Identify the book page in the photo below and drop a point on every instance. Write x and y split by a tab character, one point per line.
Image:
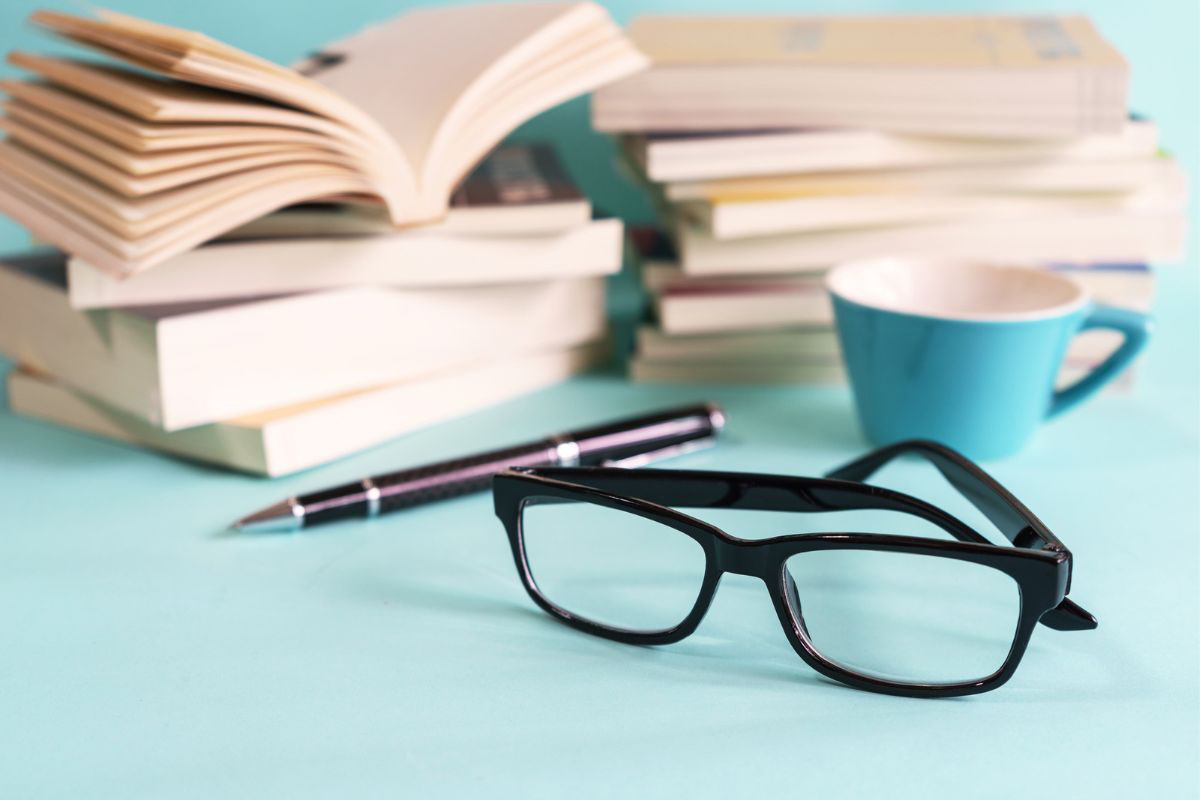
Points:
409	72
555	76
139	164
137	136
78	233
199	60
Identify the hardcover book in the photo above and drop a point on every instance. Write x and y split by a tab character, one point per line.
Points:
127	164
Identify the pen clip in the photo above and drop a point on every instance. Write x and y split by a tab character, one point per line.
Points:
642	459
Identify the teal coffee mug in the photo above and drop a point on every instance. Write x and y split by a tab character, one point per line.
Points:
966	353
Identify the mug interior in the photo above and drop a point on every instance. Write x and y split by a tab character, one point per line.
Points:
965	290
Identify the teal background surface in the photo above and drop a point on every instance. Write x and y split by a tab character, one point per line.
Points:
148	654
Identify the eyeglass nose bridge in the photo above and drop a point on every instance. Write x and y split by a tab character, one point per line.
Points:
738	557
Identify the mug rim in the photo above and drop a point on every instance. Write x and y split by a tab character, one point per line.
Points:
1079	299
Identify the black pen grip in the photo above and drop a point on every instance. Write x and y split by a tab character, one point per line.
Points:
423	484
457	476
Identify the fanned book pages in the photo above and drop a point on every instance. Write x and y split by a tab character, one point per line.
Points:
127	163
518	217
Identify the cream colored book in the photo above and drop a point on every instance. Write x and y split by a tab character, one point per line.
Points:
286	440
821	203
698	156
185	365
1023	178
753	305
181	138
403	260
737	371
804	370
806	343
1073	236
999	76
814	342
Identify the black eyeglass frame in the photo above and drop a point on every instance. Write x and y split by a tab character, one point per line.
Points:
1038	563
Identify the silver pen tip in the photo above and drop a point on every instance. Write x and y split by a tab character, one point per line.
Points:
282	517
716	416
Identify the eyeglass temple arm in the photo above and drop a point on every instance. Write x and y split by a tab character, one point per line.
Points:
1006	512
704	489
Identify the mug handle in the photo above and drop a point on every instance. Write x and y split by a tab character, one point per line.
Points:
1134	326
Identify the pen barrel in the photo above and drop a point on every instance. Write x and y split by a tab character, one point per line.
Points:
653	432
648	435
423	484
457	476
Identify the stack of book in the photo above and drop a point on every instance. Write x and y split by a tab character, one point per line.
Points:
777	148
267	270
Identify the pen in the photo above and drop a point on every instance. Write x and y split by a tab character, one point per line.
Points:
625	443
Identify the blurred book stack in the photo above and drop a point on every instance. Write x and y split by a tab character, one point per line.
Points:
776	148
236	273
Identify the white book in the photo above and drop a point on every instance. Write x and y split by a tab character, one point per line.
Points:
661	276
412	259
747	313
289	439
1074	237
1020	177
895	200
186	365
753	305
714	155
809	343
737	371
1128	285
999	76
800	371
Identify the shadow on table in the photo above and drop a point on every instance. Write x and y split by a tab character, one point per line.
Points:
726	652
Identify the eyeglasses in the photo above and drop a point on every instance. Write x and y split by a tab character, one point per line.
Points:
603	551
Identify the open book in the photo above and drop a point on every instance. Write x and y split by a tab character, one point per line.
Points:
126	165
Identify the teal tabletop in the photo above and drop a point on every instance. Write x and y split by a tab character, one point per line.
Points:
149	653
